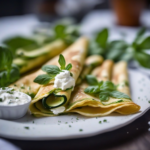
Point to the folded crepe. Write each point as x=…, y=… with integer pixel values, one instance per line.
x=51, y=96
x=91, y=106
x=35, y=58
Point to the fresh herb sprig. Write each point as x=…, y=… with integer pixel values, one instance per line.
x=9, y=72
x=52, y=71
x=104, y=89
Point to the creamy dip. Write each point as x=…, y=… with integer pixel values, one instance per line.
x=64, y=80
x=10, y=97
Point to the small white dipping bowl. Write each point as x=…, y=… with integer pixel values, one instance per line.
x=14, y=112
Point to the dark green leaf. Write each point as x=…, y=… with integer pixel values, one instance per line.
x=116, y=49
x=143, y=59
x=62, y=61
x=51, y=69
x=6, y=59
x=140, y=33
x=104, y=95
x=102, y=37
x=108, y=85
x=18, y=42
x=92, y=89
x=145, y=44
x=91, y=80
x=14, y=75
x=43, y=79
x=68, y=67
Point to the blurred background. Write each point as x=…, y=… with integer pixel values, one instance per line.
x=49, y=10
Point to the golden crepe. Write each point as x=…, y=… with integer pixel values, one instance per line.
x=75, y=55
x=91, y=106
x=35, y=58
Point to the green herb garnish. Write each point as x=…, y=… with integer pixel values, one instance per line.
x=104, y=120
x=1, y=99
x=52, y=71
x=105, y=89
x=8, y=71
x=10, y=92
x=27, y=128
x=100, y=122
x=80, y=130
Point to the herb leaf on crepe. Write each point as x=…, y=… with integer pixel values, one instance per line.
x=105, y=89
x=9, y=72
x=52, y=71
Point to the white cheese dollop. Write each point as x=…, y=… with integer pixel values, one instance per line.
x=10, y=97
x=64, y=80
x=58, y=110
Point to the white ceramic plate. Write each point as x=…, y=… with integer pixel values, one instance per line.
x=76, y=126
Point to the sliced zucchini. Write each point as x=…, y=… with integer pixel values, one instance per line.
x=40, y=107
x=53, y=101
x=20, y=62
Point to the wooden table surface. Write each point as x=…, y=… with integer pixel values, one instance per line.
x=134, y=136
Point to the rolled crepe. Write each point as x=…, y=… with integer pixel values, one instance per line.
x=91, y=106
x=75, y=55
x=36, y=58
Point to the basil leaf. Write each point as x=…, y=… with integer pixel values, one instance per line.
x=143, y=59
x=145, y=44
x=140, y=33
x=14, y=75
x=18, y=42
x=95, y=49
x=62, y=61
x=51, y=69
x=68, y=67
x=104, y=95
x=91, y=80
x=92, y=89
x=6, y=59
x=60, y=31
x=108, y=85
x=43, y=79
x=102, y=37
